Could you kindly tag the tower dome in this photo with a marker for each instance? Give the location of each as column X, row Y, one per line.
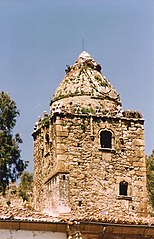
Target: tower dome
column 84, row 90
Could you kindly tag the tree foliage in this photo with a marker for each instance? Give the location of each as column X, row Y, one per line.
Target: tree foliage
column 26, row 186
column 11, row 164
column 150, row 176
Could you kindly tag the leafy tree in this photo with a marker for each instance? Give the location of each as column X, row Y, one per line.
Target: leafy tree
column 11, row 164
column 26, row 186
column 150, row 176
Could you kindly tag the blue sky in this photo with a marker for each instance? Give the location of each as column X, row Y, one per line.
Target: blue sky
column 38, row 38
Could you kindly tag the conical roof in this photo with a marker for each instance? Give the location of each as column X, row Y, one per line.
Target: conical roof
column 84, row 90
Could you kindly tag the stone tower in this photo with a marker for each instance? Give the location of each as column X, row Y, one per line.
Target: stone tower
column 88, row 153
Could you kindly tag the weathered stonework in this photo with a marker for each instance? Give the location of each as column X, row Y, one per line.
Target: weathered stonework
column 88, row 153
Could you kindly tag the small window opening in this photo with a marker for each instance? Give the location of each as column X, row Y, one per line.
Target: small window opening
column 47, row 138
column 42, row 152
column 80, row 203
column 106, row 139
column 64, row 177
column 79, row 163
column 123, row 188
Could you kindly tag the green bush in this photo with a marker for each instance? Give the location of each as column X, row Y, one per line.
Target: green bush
column 150, row 176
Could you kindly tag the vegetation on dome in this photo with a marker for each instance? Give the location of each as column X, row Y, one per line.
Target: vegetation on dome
column 87, row 110
column 132, row 114
column 45, row 121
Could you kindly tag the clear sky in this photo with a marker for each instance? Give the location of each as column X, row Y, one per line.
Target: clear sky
column 38, row 38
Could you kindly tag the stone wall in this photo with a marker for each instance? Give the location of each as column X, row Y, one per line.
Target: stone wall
column 74, row 231
column 98, row 231
column 24, row 234
column 94, row 173
column 57, row 194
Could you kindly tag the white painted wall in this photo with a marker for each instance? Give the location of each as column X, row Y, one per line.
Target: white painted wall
column 23, row 234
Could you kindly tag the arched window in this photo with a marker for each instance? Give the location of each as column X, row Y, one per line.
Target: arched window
column 106, row 139
column 123, row 188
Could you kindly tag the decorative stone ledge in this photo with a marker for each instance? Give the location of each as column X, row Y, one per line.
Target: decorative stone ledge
column 108, row 150
column 123, row 197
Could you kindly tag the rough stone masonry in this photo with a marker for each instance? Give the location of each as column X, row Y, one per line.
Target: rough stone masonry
column 89, row 154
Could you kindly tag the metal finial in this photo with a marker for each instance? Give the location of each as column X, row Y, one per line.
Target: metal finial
column 83, row 43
